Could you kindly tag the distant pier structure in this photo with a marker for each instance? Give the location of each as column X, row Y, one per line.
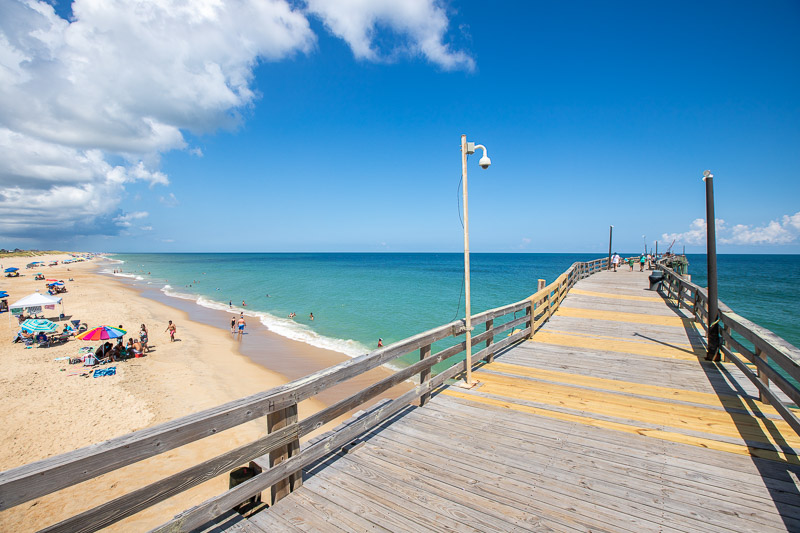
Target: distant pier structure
column 594, row 410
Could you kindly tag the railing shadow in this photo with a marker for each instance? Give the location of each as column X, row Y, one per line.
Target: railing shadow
column 736, row 402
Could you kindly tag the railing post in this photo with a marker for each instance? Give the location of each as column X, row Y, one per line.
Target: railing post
column 762, row 375
column 489, row 355
column 540, row 285
column 275, row 421
column 425, row 375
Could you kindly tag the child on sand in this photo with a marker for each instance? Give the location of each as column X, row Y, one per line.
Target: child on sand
column 172, row 329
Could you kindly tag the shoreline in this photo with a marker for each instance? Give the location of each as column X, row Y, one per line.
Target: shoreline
column 289, row 358
column 50, row 408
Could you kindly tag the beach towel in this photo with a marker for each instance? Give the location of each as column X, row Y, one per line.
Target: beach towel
column 110, row 371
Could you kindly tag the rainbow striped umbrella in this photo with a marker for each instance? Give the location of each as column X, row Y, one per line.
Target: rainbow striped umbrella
column 102, row 333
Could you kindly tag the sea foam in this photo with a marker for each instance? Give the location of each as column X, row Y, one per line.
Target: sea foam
column 284, row 327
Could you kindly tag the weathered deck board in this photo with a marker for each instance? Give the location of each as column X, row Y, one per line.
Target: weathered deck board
column 608, row 419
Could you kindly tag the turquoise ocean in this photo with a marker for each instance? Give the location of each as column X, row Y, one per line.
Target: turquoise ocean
column 357, row 298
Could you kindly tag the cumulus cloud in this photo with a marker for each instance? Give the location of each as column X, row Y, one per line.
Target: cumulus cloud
column 119, row 82
column 88, row 105
column 421, row 24
column 786, row 230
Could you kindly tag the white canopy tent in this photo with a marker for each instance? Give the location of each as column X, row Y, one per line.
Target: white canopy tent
column 36, row 303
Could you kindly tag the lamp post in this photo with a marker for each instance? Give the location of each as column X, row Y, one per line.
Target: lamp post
column 712, row 333
column 610, row 233
column 468, row 148
column 644, row 240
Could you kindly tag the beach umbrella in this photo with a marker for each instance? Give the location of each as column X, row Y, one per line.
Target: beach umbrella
column 102, row 333
column 51, row 280
column 36, row 325
column 12, row 269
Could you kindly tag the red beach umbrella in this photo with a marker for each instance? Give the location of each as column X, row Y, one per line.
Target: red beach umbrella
column 102, row 333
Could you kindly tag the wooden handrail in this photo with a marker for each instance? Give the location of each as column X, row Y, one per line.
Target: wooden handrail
column 37, row 479
column 765, row 343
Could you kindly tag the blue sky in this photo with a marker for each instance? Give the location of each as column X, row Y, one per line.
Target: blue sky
column 343, row 135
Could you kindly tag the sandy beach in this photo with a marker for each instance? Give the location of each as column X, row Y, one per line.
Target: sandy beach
column 51, row 408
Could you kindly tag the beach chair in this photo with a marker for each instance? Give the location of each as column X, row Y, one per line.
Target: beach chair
column 61, row 338
column 44, row 342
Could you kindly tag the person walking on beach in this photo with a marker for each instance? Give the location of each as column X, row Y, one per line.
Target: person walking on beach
column 172, row 329
column 233, row 324
column 143, row 338
column 241, row 324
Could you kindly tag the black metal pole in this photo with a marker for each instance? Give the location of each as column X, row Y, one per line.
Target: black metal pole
column 610, row 233
column 711, row 243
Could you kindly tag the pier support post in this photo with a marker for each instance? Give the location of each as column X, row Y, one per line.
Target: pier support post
column 425, row 375
column 275, row 421
column 711, row 243
column 762, row 375
column 489, row 355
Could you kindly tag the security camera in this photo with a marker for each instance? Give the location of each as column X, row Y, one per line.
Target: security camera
column 485, row 162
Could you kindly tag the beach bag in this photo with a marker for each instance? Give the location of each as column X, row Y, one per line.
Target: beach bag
column 90, row 360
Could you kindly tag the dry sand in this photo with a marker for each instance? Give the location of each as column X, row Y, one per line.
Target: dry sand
column 49, row 408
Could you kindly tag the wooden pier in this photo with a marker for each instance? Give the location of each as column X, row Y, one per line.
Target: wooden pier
column 595, row 411
column 608, row 419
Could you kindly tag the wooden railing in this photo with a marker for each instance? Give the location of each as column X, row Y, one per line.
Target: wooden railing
column 766, row 350
column 284, row 430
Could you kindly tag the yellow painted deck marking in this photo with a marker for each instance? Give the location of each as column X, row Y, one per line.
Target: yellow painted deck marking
column 630, row 338
column 654, row 391
column 620, row 316
column 616, row 296
column 695, row 418
column 654, row 433
column 633, row 347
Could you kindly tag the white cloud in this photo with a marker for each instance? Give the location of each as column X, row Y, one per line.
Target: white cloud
column 420, row 24
column 146, row 228
column 125, row 220
column 776, row 232
column 169, row 200
column 88, row 105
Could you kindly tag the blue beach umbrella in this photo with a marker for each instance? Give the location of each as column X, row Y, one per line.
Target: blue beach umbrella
column 36, row 325
column 12, row 269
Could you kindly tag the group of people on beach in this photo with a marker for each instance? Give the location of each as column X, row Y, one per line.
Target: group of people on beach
column 238, row 324
column 122, row 350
